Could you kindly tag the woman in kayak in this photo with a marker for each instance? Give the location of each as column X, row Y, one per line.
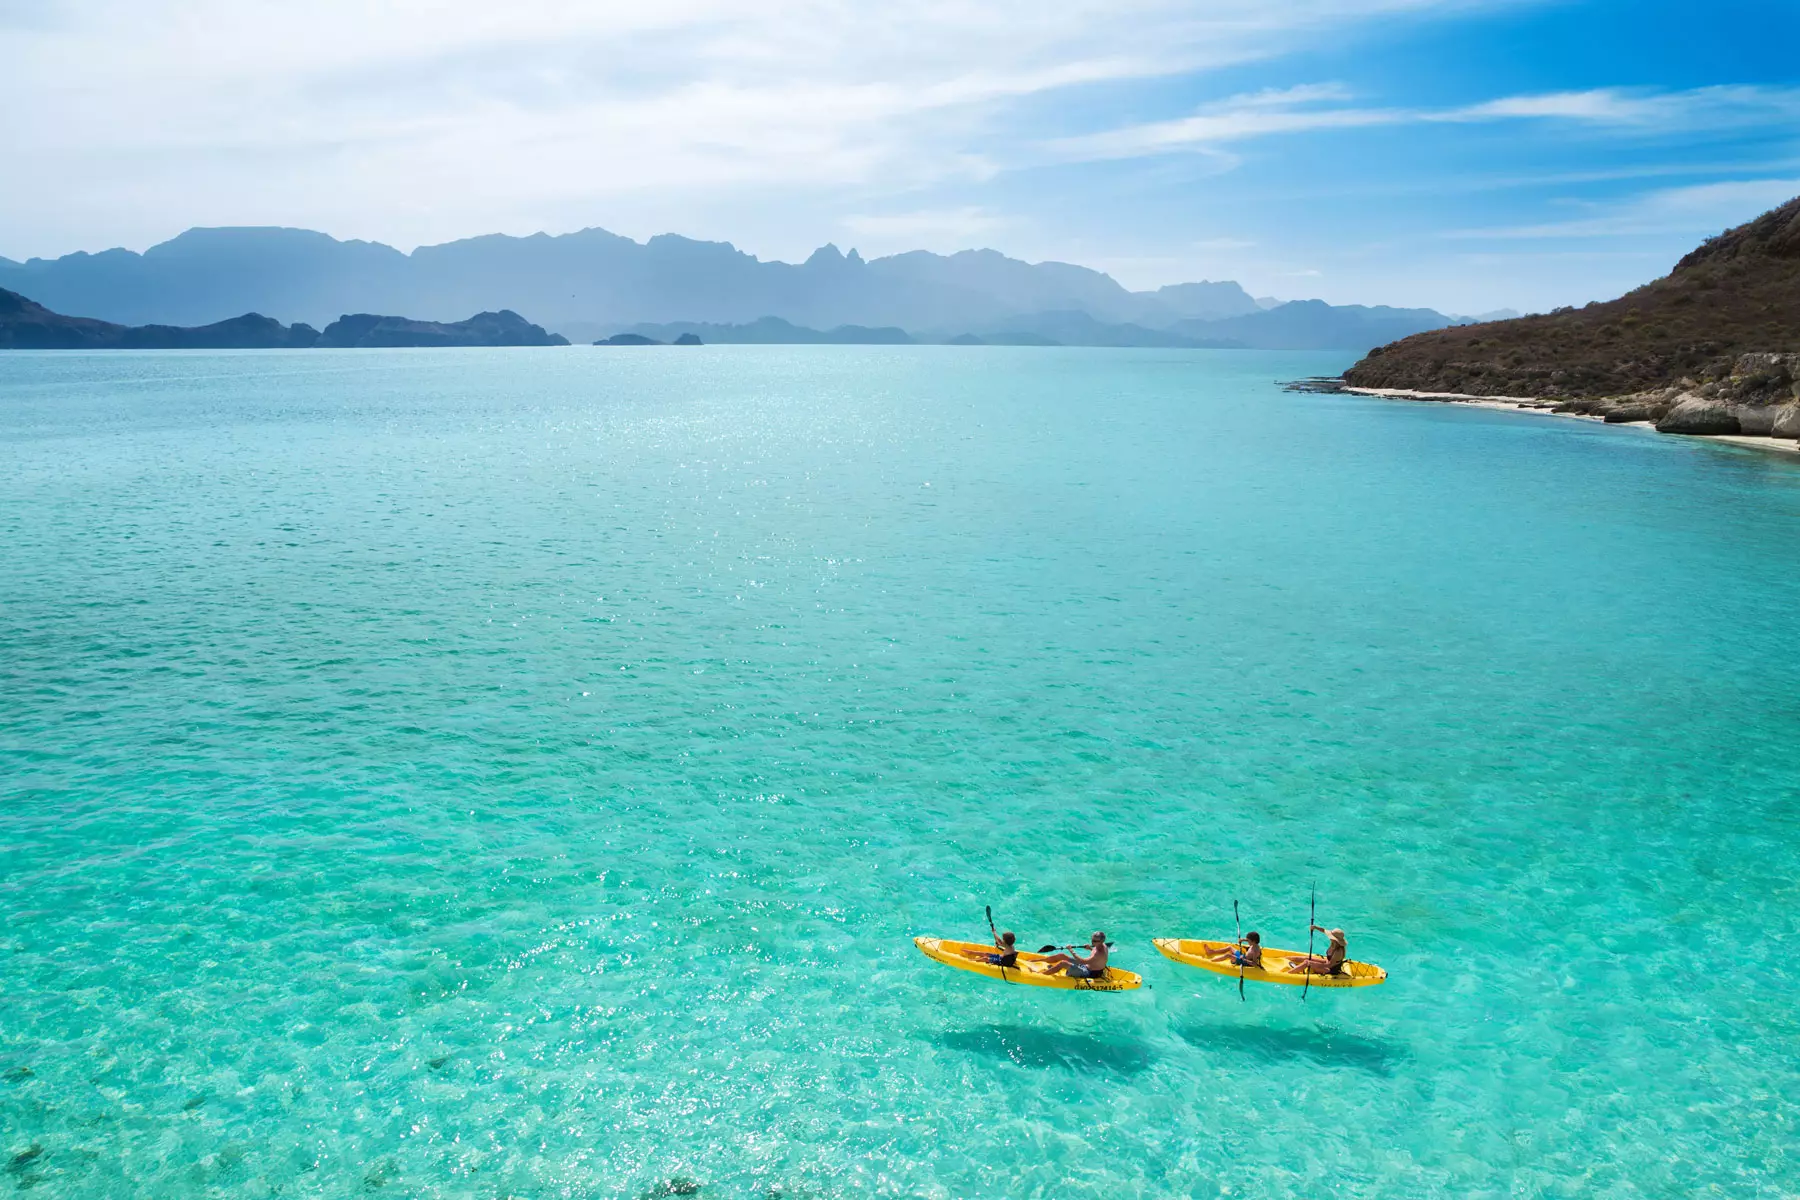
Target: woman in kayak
column 1077, row 967
column 1009, row 953
column 1331, row 964
column 1247, row 955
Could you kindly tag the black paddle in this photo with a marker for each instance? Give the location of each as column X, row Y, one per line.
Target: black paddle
column 1240, row 950
column 990, row 916
column 1312, row 922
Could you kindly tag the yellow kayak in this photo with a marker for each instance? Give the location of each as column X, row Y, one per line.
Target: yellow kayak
column 1274, row 968
column 973, row 956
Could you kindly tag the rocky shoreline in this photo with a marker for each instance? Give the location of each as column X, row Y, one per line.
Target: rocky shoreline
column 1755, row 404
column 1712, row 349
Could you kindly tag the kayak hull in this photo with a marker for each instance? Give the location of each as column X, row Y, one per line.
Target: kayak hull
column 973, row 956
column 1193, row 952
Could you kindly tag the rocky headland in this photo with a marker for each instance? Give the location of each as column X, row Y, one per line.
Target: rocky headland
column 1712, row 348
column 503, row 328
column 28, row 325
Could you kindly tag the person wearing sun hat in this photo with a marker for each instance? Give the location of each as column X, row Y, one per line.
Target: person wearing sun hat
column 1332, row 961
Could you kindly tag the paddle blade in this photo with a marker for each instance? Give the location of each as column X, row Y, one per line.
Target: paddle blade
column 1045, row 949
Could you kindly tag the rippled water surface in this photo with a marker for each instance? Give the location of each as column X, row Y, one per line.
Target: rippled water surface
column 522, row 773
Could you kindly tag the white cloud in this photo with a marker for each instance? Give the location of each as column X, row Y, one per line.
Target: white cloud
column 417, row 119
column 1696, row 108
column 1606, row 105
column 1255, row 114
column 1310, row 108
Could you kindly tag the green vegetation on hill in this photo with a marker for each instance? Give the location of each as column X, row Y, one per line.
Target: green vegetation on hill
column 1737, row 294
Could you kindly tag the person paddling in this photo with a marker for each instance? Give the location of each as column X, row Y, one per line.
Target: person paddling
column 1247, row 955
column 1331, row 964
column 1077, row 967
column 1009, row 952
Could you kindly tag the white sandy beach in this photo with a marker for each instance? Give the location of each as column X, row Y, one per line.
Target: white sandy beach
column 1530, row 404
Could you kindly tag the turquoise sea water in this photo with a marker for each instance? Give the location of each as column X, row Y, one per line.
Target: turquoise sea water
column 494, row 773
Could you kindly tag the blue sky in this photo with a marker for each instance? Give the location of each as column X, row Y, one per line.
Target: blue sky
column 1462, row 155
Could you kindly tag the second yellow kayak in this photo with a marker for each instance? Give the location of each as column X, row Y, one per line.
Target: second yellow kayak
column 973, row 956
column 1194, row 953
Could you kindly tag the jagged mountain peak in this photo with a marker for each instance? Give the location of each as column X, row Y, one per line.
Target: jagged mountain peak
column 594, row 282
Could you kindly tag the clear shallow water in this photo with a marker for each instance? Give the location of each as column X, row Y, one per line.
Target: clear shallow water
column 521, row 774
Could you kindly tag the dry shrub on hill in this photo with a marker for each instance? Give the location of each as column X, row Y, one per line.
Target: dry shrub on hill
column 1737, row 293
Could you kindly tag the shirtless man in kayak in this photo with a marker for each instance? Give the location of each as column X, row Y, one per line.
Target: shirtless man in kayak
column 1331, row 964
column 1006, row 944
column 1247, row 955
column 1077, row 967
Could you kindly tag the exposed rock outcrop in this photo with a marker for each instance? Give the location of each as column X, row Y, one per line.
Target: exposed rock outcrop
column 1759, row 395
column 1699, row 414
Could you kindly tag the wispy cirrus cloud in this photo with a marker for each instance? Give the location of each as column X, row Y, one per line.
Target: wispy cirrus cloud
column 1251, row 115
column 443, row 117
column 1718, row 107
column 1315, row 107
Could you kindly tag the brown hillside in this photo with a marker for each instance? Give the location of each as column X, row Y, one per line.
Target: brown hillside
column 1738, row 293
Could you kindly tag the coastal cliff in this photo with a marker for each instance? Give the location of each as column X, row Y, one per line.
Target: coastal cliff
column 1712, row 347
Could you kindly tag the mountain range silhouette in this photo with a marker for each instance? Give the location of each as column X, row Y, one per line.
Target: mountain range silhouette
column 593, row 283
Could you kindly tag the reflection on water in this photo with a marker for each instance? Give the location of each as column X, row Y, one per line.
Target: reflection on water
column 1028, row 1047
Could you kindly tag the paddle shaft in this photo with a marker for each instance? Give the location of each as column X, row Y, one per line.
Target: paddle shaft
column 989, row 909
column 1240, row 949
column 1312, row 922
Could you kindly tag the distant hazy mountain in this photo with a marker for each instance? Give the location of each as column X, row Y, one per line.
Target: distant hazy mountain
column 1299, row 325
column 1316, row 325
column 583, row 283
column 592, row 284
column 770, row 331
column 1074, row 328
